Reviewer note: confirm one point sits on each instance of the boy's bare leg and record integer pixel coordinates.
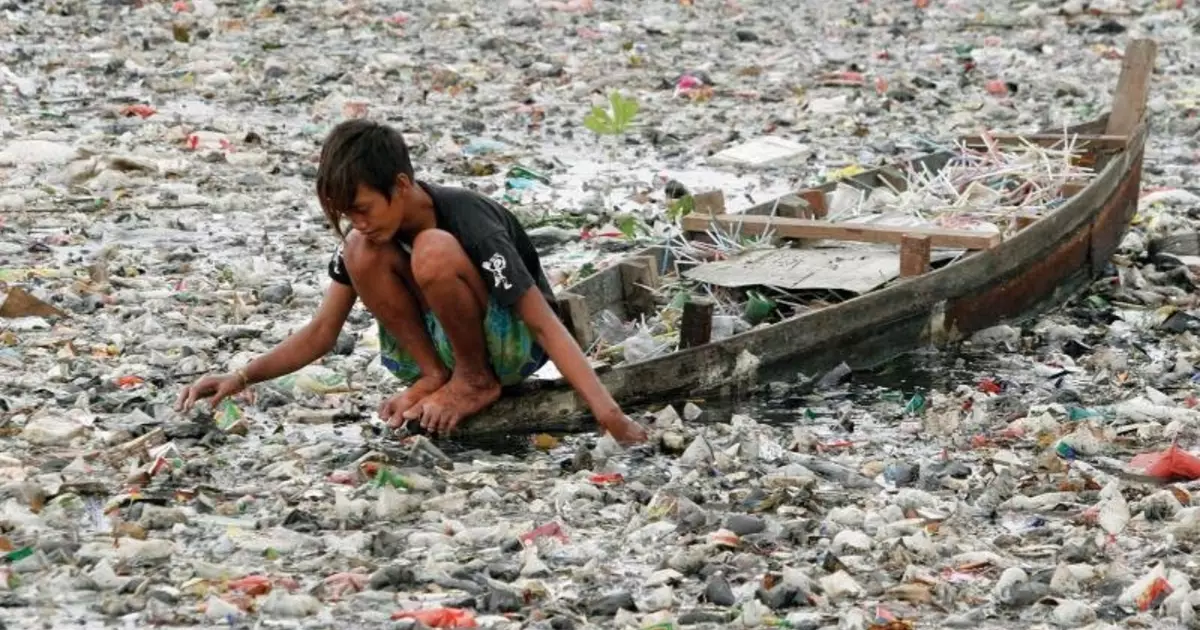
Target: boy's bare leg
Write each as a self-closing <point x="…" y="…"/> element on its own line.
<point x="455" y="292"/>
<point x="382" y="276"/>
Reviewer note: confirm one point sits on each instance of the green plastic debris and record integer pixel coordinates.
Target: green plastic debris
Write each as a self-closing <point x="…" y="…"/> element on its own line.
<point x="18" y="554"/>
<point x="1075" y="414"/>
<point x="758" y="308"/>
<point x="227" y="414"/>
<point x="386" y="476"/>
<point x="915" y="406"/>
<point x="522" y="172"/>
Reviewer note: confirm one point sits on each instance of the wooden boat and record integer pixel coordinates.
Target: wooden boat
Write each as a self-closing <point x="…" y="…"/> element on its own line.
<point x="1043" y="261"/>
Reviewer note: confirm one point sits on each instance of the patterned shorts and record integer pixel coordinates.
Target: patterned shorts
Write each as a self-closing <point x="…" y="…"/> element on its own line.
<point x="511" y="347"/>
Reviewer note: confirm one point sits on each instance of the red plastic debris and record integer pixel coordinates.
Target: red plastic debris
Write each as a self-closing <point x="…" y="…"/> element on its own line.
<point x="253" y="585"/>
<point x="129" y="382"/>
<point x="145" y="111"/>
<point x="604" y="479"/>
<point x="996" y="87"/>
<point x="439" y="617"/>
<point x="1158" y="590"/>
<point x="552" y="529"/>
<point x="1173" y="464"/>
<point x="989" y="386"/>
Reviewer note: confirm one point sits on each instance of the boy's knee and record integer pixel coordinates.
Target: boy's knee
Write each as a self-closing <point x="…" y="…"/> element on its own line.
<point x="362" y="257"/>
<point x="435" y="256"/>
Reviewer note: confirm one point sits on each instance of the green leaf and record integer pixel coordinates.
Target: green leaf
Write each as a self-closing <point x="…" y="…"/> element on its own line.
<point x="681" y="207"/>
<point x="628" y="226"/>
<point x="599" y="122"/>
<point x="624" y="109"/>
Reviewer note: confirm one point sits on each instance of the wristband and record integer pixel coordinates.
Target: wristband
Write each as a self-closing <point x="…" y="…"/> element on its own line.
<point x="241" y="373"/>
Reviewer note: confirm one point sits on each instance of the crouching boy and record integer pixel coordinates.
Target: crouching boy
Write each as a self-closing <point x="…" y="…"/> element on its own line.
<point x="457" y="290"/>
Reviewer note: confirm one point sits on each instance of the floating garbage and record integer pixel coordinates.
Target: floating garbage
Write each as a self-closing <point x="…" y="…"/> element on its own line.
<point x="158" y="222"/>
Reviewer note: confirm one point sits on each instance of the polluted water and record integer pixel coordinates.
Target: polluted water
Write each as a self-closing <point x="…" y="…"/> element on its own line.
<point x="158" y="222"/>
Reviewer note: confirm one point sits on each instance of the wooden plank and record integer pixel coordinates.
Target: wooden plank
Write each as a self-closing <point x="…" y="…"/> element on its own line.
<point x="1109" y="142"/>
<point x="804" y="228"/>
<point x="574" y="312"/>
<point x="1129" y="102"/>
<point x="639" y="278"/>
<point x="695" y="329"/>
<point x="914" y="255"/>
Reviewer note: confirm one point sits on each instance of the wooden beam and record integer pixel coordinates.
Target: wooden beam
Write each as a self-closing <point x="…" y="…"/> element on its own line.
<point x="1081" y="141"/>
<point x="1129" y="101"/>
<point x="639" y="278"/>
<point x="695" y="328"/>
<point x="914" y="255"/>
<point x="804" y="228"/>
<point x="572" y="308"/>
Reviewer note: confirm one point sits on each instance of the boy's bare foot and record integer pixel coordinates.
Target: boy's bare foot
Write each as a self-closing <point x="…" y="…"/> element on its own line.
<point x="392" y="410"/>
<point x="462" y="397"/>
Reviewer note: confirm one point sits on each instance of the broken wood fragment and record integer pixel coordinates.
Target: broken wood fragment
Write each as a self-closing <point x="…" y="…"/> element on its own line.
<point x="709" y="202"/>
<point x="914" y="255"/>
<point x="816" y="200"/>
<point x="572" y="308"/>
<point x="138" y="447"/>
<point x="695" y="328"/>
<point x="639" y="279"/>
<point x="860" y="232"/>
<point x="793" y="207"/>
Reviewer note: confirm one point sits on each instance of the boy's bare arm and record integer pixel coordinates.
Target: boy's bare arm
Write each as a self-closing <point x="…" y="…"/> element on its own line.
<point x="304" y="346"/>
<point x="311" y="342"/>
<point x="573" y="364"/>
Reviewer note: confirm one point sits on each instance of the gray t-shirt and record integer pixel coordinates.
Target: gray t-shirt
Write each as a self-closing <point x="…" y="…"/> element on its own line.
<point x="492" y="238"/>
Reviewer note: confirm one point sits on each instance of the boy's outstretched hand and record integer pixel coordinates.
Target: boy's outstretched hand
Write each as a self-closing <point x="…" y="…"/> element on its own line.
<point x="219" y="386"/>
<point x="623" y="430"/>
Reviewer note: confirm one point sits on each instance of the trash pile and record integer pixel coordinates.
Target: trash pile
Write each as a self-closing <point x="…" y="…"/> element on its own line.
<point x="977" y="189"/>
<point x="158" y="222"/>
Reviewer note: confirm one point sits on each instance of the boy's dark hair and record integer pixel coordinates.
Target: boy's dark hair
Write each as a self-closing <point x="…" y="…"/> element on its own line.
<point x="359" y="151"/>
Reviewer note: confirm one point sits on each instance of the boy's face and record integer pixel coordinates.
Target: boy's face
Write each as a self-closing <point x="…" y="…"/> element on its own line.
<point x="376" y="218"/>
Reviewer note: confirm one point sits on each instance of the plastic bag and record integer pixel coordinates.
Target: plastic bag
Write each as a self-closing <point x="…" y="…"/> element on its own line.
<point x="1173" y="464"/>
<point x="440" y="617"/>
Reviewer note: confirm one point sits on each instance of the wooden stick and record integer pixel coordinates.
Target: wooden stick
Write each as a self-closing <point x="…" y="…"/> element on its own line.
<point x="639" y="278"/>
<point x="914" y="255"/>
<point x="804" y="228"/>
<point x="1081" y="141"/>
<point x="1129" y="102"/>
<point x="695" y="328"/>
<point x="573" y="310"/>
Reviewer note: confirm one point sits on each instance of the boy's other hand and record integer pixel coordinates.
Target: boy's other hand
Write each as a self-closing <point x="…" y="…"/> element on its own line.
<point x="623" y="430"/>
<point x="219" y="386"/>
